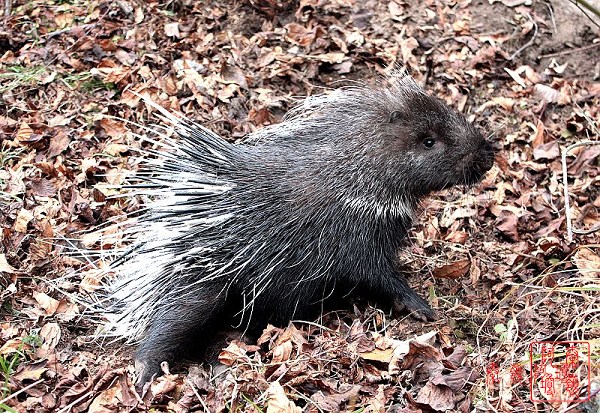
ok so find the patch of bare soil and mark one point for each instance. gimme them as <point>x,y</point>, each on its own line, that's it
<point>496,263</point>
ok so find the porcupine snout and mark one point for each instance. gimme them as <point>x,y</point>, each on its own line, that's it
<point>477,162</point>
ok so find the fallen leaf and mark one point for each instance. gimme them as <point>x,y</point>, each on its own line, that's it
<point>24,133</point>
<point>172,30</point>
<point>454,270</point>
<point>31,371</point>
<point>548,150</point>
<point>516,77</point>
<point>233,74</point>
<point>50,334</point>
<point>587,261</point>
<point>547,93</point>
<point>378,355</point>
<point>107,401</point>
<point>5,266</point>
<point>507,223</point>
<point>115,149</point>
<point>164,384</point>
<point>278,402</point>
<point>282,352</point>
<point>48,303</point>
<point>58,144</point>
<point>230,354</point>
<point>14,345</point>
<point>112,127</point>
<point>23,220</point>
<point>439,398</point>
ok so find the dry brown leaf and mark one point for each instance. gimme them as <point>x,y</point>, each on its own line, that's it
<point>547,93</point>
<point>440,398</point>
<point>331,401</point>
<point>233,74</point>
<point>24,133</point>
<point>110,74</point>
<point>504,102</point>
<point>115,149</point>
<point>233,352</point>
<point>282,352</point>
<point>516,77</point>
<point>333,57</point>
<point>300,35</point>
<point>453,270</point>
<point>67,311</point>
<point>58,143</point>
<point>48,303</point>
<point>278,402</point>
<point>43,187</point>
<point>507,222</point>
<point>31,371</point>
<point>172,30</point>
<point>538,139</point>
<point>92,279</point>
<point>407,47</point>
<point>548,150</point>
<point>587,261</point>
<point>13,345</point>
<point>458,237</point>
<point>113,127</point>
<point>456,379</point>
<point>164,384</point>
<point>23,220</point>
<point>5,266</point>
<point>50,334</point>
<point>378,355</point>
<point>107,401</point>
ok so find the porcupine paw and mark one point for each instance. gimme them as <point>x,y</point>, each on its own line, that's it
<point>415,305</point>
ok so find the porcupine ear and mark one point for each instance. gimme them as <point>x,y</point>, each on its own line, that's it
<point>396,116</point>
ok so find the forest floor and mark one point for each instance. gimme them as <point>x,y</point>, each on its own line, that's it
<point>497,263</point>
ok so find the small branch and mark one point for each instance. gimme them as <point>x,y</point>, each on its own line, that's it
<point>564,52</point>
<point>24,389</point>
<point>589,7</point>
<point>529,43</point>
<point>570,229</point>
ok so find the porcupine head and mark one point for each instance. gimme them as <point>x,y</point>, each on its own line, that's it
<point>265,231</point>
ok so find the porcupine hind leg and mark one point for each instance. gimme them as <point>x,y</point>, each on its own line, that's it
<point>177,330</point>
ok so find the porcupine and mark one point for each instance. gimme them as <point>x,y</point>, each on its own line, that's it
<point>264,231</point>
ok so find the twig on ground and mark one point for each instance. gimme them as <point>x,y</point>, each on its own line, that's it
<point>15,394</point>
<point>529,43</point>
<point>566,52</point>
<point>570,230</point>
<point>589,7</point>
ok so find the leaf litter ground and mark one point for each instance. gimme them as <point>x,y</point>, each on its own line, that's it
<point>495,261</point>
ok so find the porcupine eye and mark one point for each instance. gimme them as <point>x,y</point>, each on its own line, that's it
<point>429,142</point>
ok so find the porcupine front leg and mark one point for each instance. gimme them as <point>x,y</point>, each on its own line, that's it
<point>406,298</point>
<point>176,330</point>
<point>394,289</point>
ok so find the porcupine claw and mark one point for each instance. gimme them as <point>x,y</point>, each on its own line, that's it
<point>416,306</point>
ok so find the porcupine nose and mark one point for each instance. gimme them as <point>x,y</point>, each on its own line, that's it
<point>487,156</point>
<point>476,163</point>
